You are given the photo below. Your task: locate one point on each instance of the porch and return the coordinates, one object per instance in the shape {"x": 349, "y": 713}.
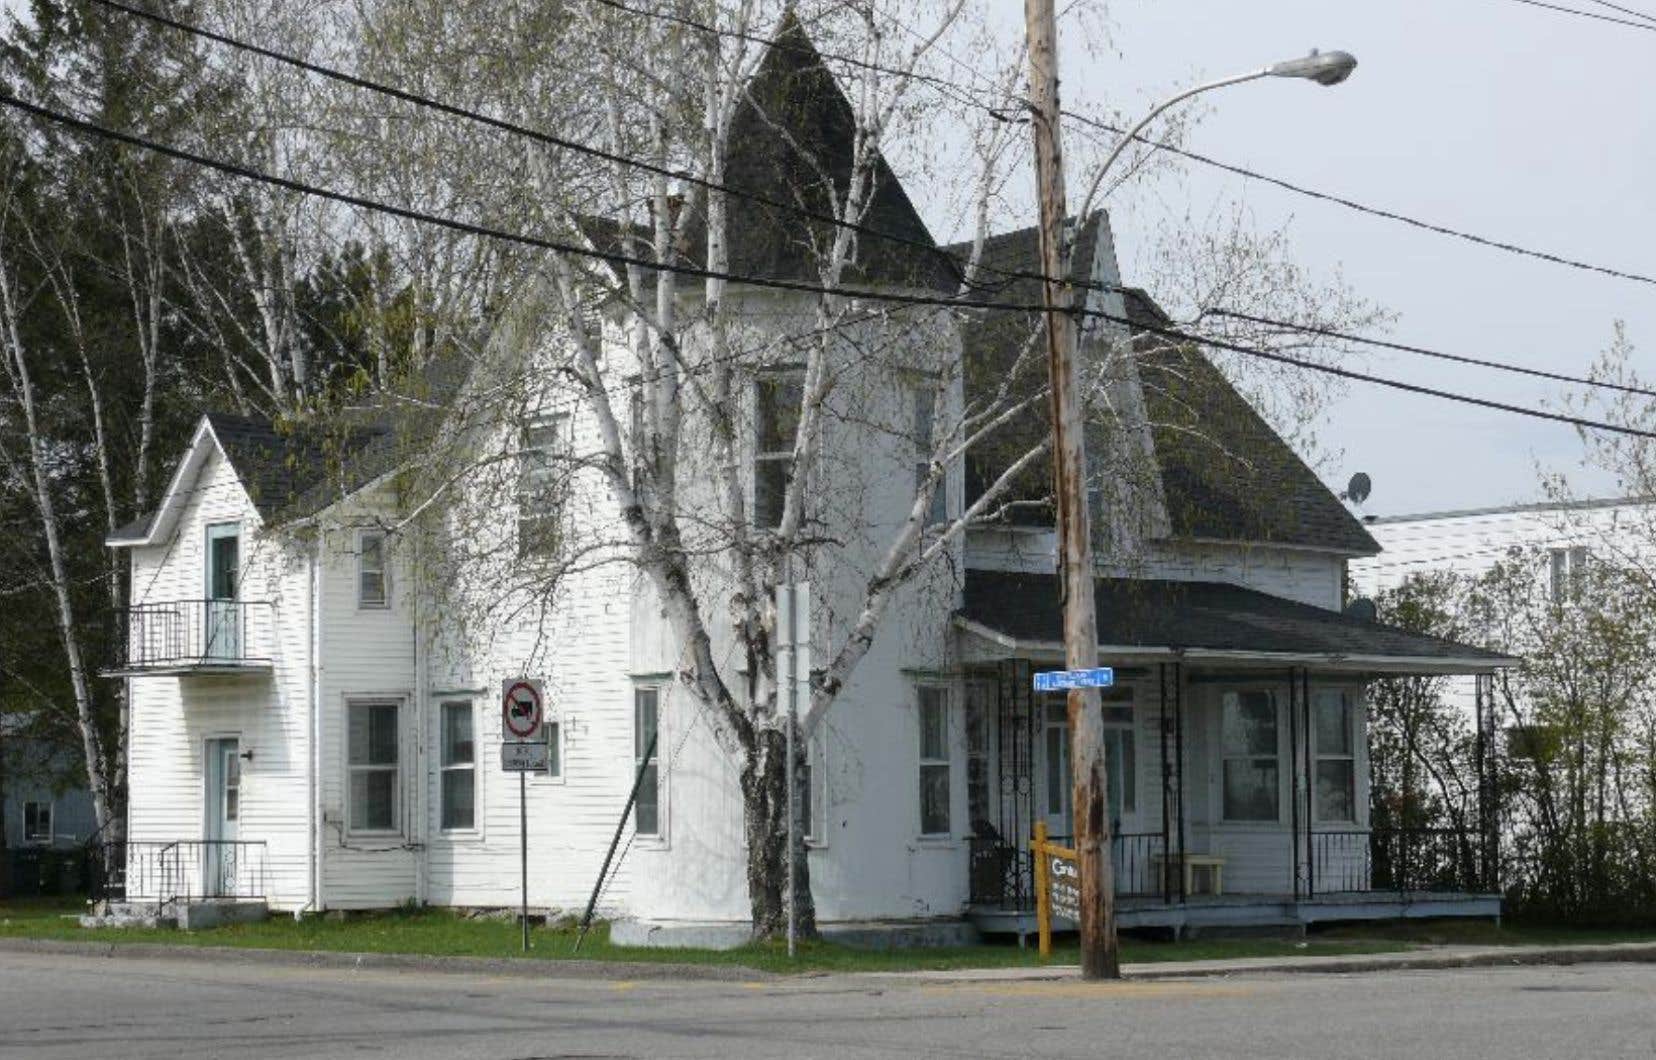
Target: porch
{"x": 1237, "y": 767}
{"x": 178, "y": 638}
{"x": 192, "y": 883}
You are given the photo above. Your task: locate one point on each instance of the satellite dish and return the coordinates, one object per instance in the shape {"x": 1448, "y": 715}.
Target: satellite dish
{"x": 1362, "y": 609}
{"x": 1359, "y": 489}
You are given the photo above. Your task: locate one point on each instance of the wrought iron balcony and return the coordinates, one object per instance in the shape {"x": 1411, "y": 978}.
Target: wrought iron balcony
{"x": 182, "y": 637}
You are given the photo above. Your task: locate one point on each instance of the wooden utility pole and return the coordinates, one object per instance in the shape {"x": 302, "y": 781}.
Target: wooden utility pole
{"x": 1099, "y": 959}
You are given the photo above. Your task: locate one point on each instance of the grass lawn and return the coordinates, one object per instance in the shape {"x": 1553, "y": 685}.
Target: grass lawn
{"x": 441, "y": 933}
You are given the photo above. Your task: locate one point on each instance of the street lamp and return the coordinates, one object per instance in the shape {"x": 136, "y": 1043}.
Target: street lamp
{"x": 1325, "y": 68}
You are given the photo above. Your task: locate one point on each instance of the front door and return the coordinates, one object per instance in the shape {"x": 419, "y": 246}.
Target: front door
{"x": 1120, "y": 763}
{"x": 223, "y": 618}
{"x": 218, "y": 858}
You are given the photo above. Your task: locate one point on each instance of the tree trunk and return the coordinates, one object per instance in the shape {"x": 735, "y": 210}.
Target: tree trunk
{"x": 765, "y": 823}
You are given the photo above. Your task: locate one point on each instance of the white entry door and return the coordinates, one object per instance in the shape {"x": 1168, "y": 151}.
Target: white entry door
{"x": 219, "y": 868}
{"x": 1057, "y": 807}
{"x": 222, "y": 635}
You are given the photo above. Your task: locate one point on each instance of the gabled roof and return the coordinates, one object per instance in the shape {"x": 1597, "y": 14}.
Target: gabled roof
{"x": 794, "y": 128}
{"x": 1211, "y": 619}
{"x": 1226, "y": 473}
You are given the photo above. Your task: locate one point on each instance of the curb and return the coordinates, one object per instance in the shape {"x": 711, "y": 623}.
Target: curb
{"x": 1483, "y": 957}
{"x": 514, "y": 967}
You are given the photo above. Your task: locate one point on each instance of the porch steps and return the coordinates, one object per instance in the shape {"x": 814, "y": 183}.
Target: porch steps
{"x": 129, "y": 915}
{"x": 186, "y": 915}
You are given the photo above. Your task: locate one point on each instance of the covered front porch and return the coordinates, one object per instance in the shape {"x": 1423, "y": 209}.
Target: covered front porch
{"x": 1237, "y": 752}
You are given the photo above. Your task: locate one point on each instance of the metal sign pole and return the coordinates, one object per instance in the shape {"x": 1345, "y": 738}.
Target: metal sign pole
{"x": 523, "y": 856}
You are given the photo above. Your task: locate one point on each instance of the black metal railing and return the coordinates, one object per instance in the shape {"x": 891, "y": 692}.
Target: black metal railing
{"x": 1413, "y": 859}
{"x": 179, "y": 870}
{"x": 1002, "y": 877}
{"x": 197, "y": 634}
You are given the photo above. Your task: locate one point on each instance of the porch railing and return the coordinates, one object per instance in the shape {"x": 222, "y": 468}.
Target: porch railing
{"x": 182, "y": 635}
{"x": 1401, "y": 859}
{"x": 1002, "y": 877}
{"x": 180, "y": 870}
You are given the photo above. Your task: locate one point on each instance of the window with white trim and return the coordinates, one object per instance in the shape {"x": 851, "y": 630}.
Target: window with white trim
{"x": 1569, "y": 571}
{"x": 543, "y": 446}
{"x": 457, "y": 763}
{"x": 933, "y": 717}
{"x": 778, "y": 394}
{"x": 373, "y": 756}
{"x": 925, "y": 421}
{"x": 813, "y": 787}
{"x": 373, "y": 590}
{"x": 646, "y": 716}
{"x": 1250, "y": 781}
{"x": 37, "y": 822}
{"x": 1333, "y": 725}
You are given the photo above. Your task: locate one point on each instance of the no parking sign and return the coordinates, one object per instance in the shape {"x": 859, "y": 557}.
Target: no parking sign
{"x": 521, "y": 709}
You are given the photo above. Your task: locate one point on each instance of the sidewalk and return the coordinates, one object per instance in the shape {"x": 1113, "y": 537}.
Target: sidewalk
{"x": 1424, "y": 958}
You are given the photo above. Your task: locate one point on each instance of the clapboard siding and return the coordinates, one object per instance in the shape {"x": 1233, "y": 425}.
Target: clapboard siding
{"x": 172, "y": 717}
{"x": 1308, "y": 576}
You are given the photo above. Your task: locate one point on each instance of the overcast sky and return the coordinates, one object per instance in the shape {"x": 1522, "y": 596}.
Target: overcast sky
{"x": 1521, "y": 124}
{"x": 1490, "y": 116}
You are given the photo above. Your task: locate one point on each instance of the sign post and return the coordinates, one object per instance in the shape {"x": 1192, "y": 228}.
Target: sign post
{"x": 1057, "y": 885}
{"x": 522, "y": 751}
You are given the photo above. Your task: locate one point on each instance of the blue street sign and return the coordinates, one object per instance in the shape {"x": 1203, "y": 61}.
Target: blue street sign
{"x": 1062, "y": 680}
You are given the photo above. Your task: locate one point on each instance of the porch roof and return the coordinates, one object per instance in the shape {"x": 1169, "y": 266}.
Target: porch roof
{"x": 1141, "y": 618}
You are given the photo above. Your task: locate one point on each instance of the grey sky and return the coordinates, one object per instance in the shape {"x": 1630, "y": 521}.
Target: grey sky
{"x": 1484, "y": 115}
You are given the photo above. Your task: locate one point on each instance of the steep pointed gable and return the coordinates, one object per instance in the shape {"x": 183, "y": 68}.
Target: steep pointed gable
{"x": 791, "y": 137}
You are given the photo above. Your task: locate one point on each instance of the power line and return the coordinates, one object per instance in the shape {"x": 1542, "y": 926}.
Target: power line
{"x": 1500, "y": 366}
{"x": 1374, "y": 211}
{"x": 1588, "y": 14}
{"x": 548, "y": 139}
{"x": 700, "y": 272}
{"x": 1626, "y": 10}
{"x": 955, "y": 91}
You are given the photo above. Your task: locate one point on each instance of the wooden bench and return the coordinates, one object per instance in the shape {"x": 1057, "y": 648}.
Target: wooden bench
{"x": 1187, "y": 864}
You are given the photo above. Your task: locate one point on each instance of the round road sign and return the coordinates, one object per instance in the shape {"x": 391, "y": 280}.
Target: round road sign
{"x": 521, "y": 711}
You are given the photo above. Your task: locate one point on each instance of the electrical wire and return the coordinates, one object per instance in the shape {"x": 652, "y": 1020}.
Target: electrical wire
{"x": 1587, "y": 14}
{"x": 1402, "y": 347}
{"x": 1626, "y": 10}
{"x": 699, "y": 272}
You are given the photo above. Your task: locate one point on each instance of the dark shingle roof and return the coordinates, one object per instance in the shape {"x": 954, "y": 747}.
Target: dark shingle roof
{"x": 288, "y": 470}
{"x": 794, "y": 127}
{"x": 1226, "y": 473}
{"x": 1149, "y": 613}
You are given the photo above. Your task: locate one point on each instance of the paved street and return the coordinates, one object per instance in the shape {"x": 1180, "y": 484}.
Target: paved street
{"x": 85, "y": 1007}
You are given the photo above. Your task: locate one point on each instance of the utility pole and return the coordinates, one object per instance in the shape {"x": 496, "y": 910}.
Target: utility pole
{"x": 1099, "y": 959}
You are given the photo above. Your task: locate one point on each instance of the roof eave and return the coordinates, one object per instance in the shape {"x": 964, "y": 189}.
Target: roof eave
{"x": 1397, "y": 665}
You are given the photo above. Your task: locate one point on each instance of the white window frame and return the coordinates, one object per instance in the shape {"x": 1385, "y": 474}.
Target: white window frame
{"x": 399, "y": 769}
{"x": 1223, "y": 756}
{"x": 816, "y": 788}
{"x": 924, "y": 412}
{"x": 530, "y": 493}
{"x": 658, "y": 837}
{"x": 1567, "y": 569}
{"x": 780, "y": 375}
{"x": 51, "y": 823}
{"x": 468, "y": 704}
{"x": 1349, "y": 702}
{"x": 924, "y": 763}
{"x": 384, "y": 572}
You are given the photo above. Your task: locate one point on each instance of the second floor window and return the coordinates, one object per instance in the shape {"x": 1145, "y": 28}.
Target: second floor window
{"x": 543, "y": 446}
{"x": 925, "y": 426}
{"x": 1569, "y": 570}
{"x": 778, "y": 395}
{"x": 372, "y": 588}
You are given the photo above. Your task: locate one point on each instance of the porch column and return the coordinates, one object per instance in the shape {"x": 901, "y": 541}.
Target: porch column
{"x": 1293, "y": 777}
{"x": 1178, "y": 768}
{"x": 1310, "y": 788}
{"x": 1165, "y": 725}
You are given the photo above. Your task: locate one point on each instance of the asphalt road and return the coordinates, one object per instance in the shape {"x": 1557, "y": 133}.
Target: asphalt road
{"x": 87, "y": 1007}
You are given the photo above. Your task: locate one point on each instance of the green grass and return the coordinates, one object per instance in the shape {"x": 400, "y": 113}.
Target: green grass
{"x": 436, "y": 932}
{"x": 441, "y": 933}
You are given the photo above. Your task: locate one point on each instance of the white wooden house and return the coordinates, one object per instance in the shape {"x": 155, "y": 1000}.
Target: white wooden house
{"x": 309, "y": 731}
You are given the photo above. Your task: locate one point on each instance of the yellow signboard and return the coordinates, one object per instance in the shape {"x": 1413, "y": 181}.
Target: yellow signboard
{"x": 1057, "y": 885}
